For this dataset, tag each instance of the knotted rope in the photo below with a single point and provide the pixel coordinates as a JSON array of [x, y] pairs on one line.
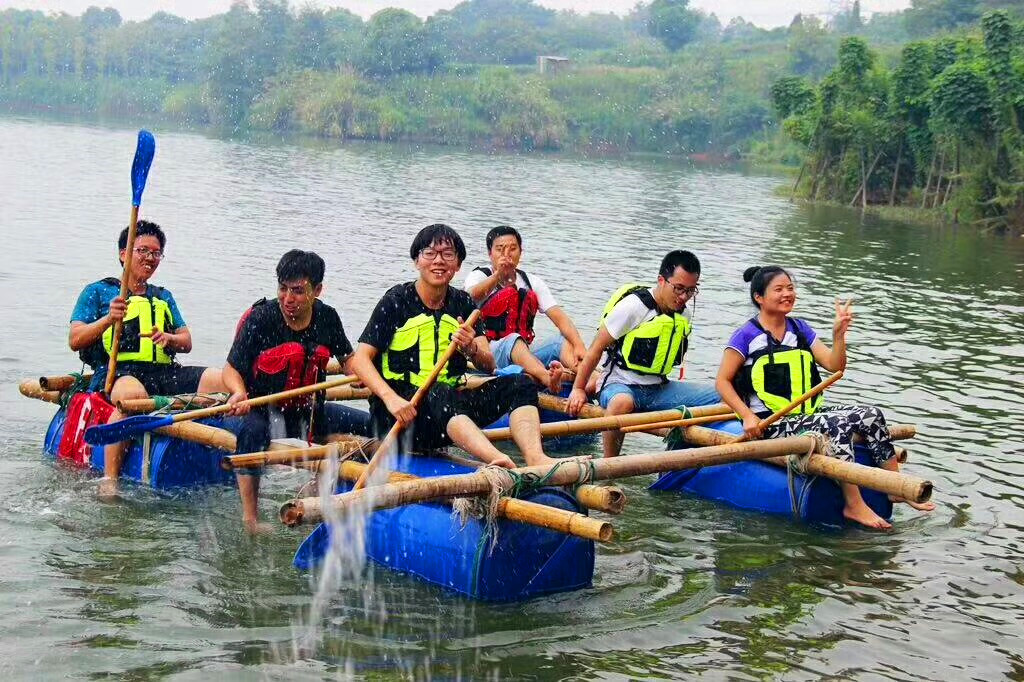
[[796, 465]]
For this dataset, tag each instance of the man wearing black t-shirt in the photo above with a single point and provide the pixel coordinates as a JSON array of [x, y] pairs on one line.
[[411, 327], [280, 345]]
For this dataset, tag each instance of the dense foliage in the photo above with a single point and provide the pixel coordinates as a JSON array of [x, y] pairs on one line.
[[665, 78], [941, 130]]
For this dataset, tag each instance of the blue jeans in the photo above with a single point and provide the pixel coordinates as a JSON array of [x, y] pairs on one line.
[[663, 396], [546, 352]]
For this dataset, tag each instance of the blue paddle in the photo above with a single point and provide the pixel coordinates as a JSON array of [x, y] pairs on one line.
[[116, 432], [145, 148]]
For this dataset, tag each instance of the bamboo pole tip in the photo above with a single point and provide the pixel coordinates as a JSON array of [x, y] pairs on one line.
[[924, 492], [225, 463], [606, 532], [30, 387], [291, 513]]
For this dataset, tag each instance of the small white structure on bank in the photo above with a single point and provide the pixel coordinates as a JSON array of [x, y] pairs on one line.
[[551, 64]]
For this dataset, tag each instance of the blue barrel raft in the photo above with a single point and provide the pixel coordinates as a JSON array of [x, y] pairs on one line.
[[765, 488], [169, 462], [426, 540]]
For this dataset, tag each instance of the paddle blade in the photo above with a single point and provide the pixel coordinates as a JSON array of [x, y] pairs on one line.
[[105, 434], [144, 151]]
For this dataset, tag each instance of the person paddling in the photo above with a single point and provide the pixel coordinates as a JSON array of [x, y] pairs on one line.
[[774, 357], [409, 329], [509, 300], [154, 331], [645, 334], [280, 345]]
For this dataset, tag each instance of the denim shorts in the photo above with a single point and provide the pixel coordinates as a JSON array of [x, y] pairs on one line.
[[664, 396]]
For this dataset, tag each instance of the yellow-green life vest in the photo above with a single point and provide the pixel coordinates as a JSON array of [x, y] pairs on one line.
[[654, 347], [778, 374], [416, 347], [144, 315]]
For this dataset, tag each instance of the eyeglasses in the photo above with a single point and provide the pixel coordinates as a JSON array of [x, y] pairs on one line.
[[683, 290], [448, 255], [143, 252]]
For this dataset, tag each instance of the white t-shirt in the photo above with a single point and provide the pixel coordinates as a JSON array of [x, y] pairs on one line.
[[545, 300], [627, 315]]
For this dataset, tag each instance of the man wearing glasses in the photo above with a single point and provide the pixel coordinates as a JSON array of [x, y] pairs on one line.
[[409, 329], [153, 331], [644, 334]]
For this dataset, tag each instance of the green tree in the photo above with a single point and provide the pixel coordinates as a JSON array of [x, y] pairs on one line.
[[926, 17], [673, 22], [396, 42]]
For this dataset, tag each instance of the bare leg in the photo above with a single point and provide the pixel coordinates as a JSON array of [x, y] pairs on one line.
[[892, 464], [249, 491], [622, 403], [211, 382], [125, 388], [470, 438], [524, 423], [535, 369], [566, 357], [857, 510]]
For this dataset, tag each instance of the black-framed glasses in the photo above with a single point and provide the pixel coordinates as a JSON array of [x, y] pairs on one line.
[[683, 290], [447, 255], [144, 252]]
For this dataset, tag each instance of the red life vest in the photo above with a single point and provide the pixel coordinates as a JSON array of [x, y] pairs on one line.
[[510, 310], [286, 366], [84, 410]]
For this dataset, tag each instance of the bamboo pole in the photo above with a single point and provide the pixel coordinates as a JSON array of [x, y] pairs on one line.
[[30, 388], [522, 511], [618, 421], [309, 510], [61, 382], [143, 405], [606, 498], [203, 434], [676, 423]]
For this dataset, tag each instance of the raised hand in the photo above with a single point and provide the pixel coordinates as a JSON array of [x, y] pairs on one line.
[[844, 318], [463, 338]]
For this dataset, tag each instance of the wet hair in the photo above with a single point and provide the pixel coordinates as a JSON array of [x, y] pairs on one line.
[[142, 228], [760, 277], [438, 233], [297, 264], [679, 259], [503, 231]]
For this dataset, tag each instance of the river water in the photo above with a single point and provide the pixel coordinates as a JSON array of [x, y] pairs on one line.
[[169, 586]]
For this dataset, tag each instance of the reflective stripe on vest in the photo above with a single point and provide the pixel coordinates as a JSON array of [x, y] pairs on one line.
[[654, 347], [143, 316], [416, 347]]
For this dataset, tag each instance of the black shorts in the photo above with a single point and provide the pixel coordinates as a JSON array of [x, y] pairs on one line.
[[483, 405], [164, 379]]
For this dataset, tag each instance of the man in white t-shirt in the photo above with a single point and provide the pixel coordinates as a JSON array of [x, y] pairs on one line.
[[645, 334], [509, 300]]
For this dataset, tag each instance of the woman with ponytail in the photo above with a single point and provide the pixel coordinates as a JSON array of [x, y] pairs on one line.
[[773, 358]]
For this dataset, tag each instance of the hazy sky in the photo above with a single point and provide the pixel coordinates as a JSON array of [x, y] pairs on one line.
[[762, 12]]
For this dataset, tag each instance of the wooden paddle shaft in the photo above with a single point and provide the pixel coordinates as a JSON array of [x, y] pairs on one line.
[[392, 438], [30, 388], [115, 344], [309, 509], [594, 424], [523, 511], [264, 399]]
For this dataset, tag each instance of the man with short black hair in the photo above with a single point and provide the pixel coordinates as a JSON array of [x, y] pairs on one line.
[[409, 329], [280, 345], [509, 300], [645, 334], [153, 332]]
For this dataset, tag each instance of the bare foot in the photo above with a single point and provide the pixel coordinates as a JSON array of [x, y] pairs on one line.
[[920, 506], [555, 371], [543, 460], [254, 527], [107, 491], [503, 461], [863, 515]]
